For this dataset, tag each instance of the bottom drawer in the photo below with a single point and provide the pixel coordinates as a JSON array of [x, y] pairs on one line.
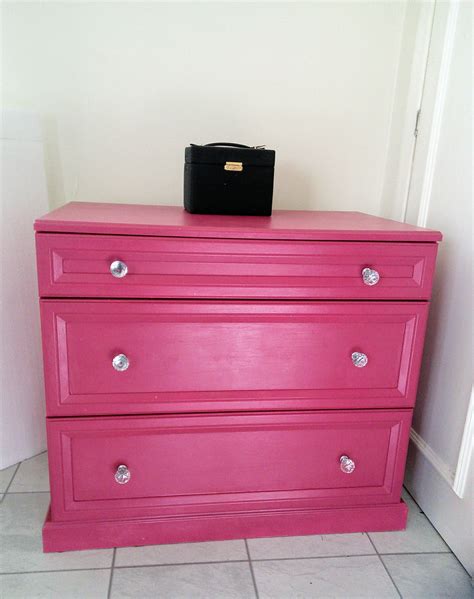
[[224, 463]]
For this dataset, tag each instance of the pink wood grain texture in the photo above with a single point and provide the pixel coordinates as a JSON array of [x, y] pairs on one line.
[[79, 266], [213, 356], [239, 400], [173, 221], [222, 463], [74, 535]]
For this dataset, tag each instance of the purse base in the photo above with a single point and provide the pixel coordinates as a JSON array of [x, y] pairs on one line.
[[210, 189]]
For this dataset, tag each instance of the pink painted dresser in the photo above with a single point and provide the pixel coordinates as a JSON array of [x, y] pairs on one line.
[[213, 377]]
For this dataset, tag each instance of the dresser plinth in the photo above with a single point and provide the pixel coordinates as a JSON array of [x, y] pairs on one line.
[[73, 536]]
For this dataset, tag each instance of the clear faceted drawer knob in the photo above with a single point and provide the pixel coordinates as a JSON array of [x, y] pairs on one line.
[[118, 269], [359, 359], [120, 362], [347, 465], [122, 476], [370, 276]]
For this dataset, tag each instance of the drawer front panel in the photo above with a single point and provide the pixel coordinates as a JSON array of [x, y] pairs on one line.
[[224, 463], [79, 266], [201, 356]]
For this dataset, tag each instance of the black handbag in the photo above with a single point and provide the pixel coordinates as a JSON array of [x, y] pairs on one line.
[[228, 178]]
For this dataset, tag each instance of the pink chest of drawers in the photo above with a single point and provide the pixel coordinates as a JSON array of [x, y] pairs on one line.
[[215, 377]]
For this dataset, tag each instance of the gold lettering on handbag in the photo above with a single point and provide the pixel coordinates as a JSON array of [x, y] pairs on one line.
[[233, 166]]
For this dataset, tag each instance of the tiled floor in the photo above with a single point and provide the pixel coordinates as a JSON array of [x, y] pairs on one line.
[[414, 563]]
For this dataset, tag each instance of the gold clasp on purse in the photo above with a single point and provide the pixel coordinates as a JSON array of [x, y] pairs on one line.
[[233, 166]]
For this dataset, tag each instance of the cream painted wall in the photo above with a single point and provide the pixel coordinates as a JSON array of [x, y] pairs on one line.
[[441, 463], [122, 88]]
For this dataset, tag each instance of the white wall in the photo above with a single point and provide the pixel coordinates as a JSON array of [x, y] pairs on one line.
[[23, 198], [122, 88], [440, 464]]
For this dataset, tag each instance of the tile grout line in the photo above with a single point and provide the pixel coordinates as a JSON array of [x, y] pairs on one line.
[[419, 508], [11, 480], [109, 590], [384, 566], [252, 573], [227, 561], [35, 456], [25, 492], [241, 561], [233, 561], [283, 559], [53, 571], [309, 557]]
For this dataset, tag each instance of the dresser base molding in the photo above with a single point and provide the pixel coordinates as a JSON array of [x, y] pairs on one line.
[[71, 536]]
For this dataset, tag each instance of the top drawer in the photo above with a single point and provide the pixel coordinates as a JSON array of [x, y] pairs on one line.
[[164, 267]]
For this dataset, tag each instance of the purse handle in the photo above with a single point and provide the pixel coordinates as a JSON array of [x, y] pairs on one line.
[[231, 145], [225, 143]]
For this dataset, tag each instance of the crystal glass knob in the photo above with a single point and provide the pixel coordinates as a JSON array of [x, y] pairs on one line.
[[370, 276], [359, 359], [118, 269], [122, 476], [347, 465], [120, 362]]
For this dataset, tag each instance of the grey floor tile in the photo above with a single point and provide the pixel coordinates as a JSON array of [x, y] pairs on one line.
[[21, 521], [339, 577], [419, 536], [218, 551], [196, 581], [5, 477], [429, 576], [32, 475], [90, 584], [310, 546]]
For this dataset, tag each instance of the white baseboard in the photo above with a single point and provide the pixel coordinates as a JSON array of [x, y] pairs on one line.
[[433, 458], [456, 479]]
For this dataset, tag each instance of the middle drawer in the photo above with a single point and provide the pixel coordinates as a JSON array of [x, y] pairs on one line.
[[119, 357]]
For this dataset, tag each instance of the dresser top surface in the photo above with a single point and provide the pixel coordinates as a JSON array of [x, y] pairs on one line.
[[174, 221]]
